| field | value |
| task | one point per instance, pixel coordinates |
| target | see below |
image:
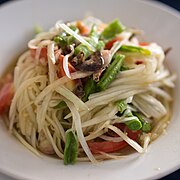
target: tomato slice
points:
(110, 43)
(131, 134)
(6, 95)
(108, 146)
(43, 53)
(61, 72)
(143, 43)
(82, 28)
(71, 84)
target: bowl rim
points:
(155, 4)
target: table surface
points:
(173, 176)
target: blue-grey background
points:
(176, 5)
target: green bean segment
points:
(146, 126)
(71, 148)
(134, 49)
(90, 87)
(112, 30)
(111, 72)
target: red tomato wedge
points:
(61, 72)
(143, 43)
(43, 53)
(82, 28)
(71, 84)
(110, 43)
(108, 146)
(6, 95)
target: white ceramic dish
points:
(160, 23)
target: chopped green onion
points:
(100, 46)
(134, 49)
(111, 72)
(63, 41)
(94, 39)
(122, 106)
(71, 148)
(134, 124)
(74, 28)
(60, 105)
(70, 40)
(93, 34)
(93, 42)
(90, 87)
(83, 49)
(112, 30)
(146, 126)
(60, 40)
(76, 36)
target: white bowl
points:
(161, 25)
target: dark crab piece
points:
(77, 59)
(95, 63)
